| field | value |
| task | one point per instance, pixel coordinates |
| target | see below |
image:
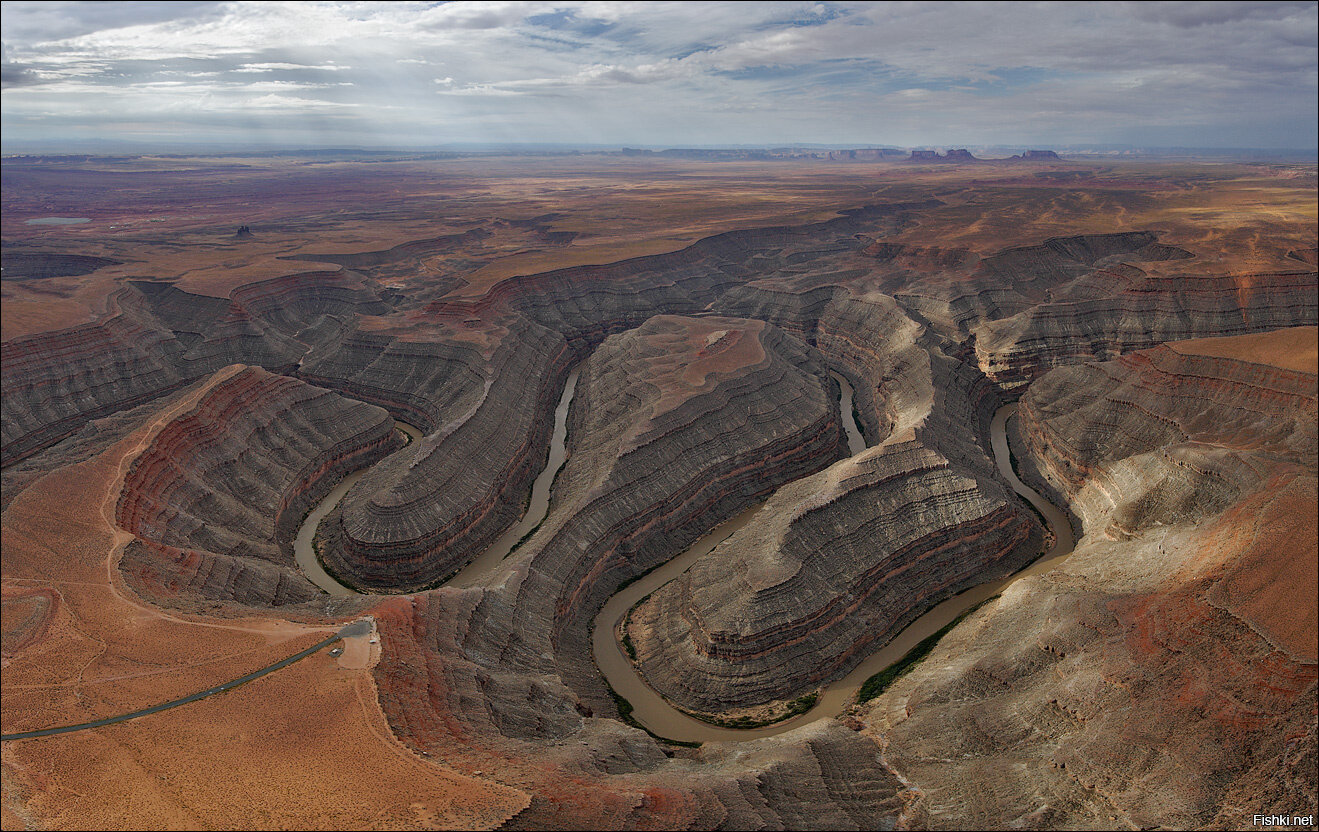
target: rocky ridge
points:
(490, 677)
(841, 562)
(1085, 697)
(215, 501)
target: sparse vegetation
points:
(625, 713)
(798, 706)
(881, 681)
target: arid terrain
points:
(752, 402)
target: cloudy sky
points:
(1212, 74)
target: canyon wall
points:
(704, 389)
(1166, 673)
(216, 500)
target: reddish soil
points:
(1292, 349)
(327, 757)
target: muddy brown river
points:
(303, 550)
(649, 708)
(652, 711)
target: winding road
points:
(360, 627)
(649, 708)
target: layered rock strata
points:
(1165, 675)
(396, 530)
(1131, 311)
(216, 499)
(491, 677)
(674, 426)
(1081, 424)
(156, 340)
(54, 384)
(830, 573)
(416, 520)
(837, 565)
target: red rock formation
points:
(217, 497)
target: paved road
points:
(360, 627)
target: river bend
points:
(649, 708)
(654, 712)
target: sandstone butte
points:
(165, 434)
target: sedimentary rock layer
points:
(216, 499)
(674, 425)
(497, 677)
(1102, 319)
(1172, 425)
(1165, 675)
(840, 562)
(54, 384)
(159, 339)
(417, 519)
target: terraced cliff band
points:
(151, 489)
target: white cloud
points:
(278, 65)
(288, 102)
(882, 72)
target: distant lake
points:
(59, 221)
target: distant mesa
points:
(867, 154)
(1038, 156)
(956, 155)
(244, 233)
(704, 154)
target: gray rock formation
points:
(840, 562)
(216, 499)
(1165, 674)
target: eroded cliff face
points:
(417, 519)
(704, 389)
(216, 499)
(839, 564)
(1165, 674)
(674, 425)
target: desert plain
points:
(200, 349)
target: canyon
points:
(489, 408)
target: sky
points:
(922, 74)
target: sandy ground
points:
(306, 747)
(1247, 217)
(1291, 349)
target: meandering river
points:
(303, 550)
(539, 505)
(649, 708)
(652, 711)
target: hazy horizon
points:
(425, 75)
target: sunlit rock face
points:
(1166, 673)
(842, 560)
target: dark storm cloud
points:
(899, 73)
(15, 75)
